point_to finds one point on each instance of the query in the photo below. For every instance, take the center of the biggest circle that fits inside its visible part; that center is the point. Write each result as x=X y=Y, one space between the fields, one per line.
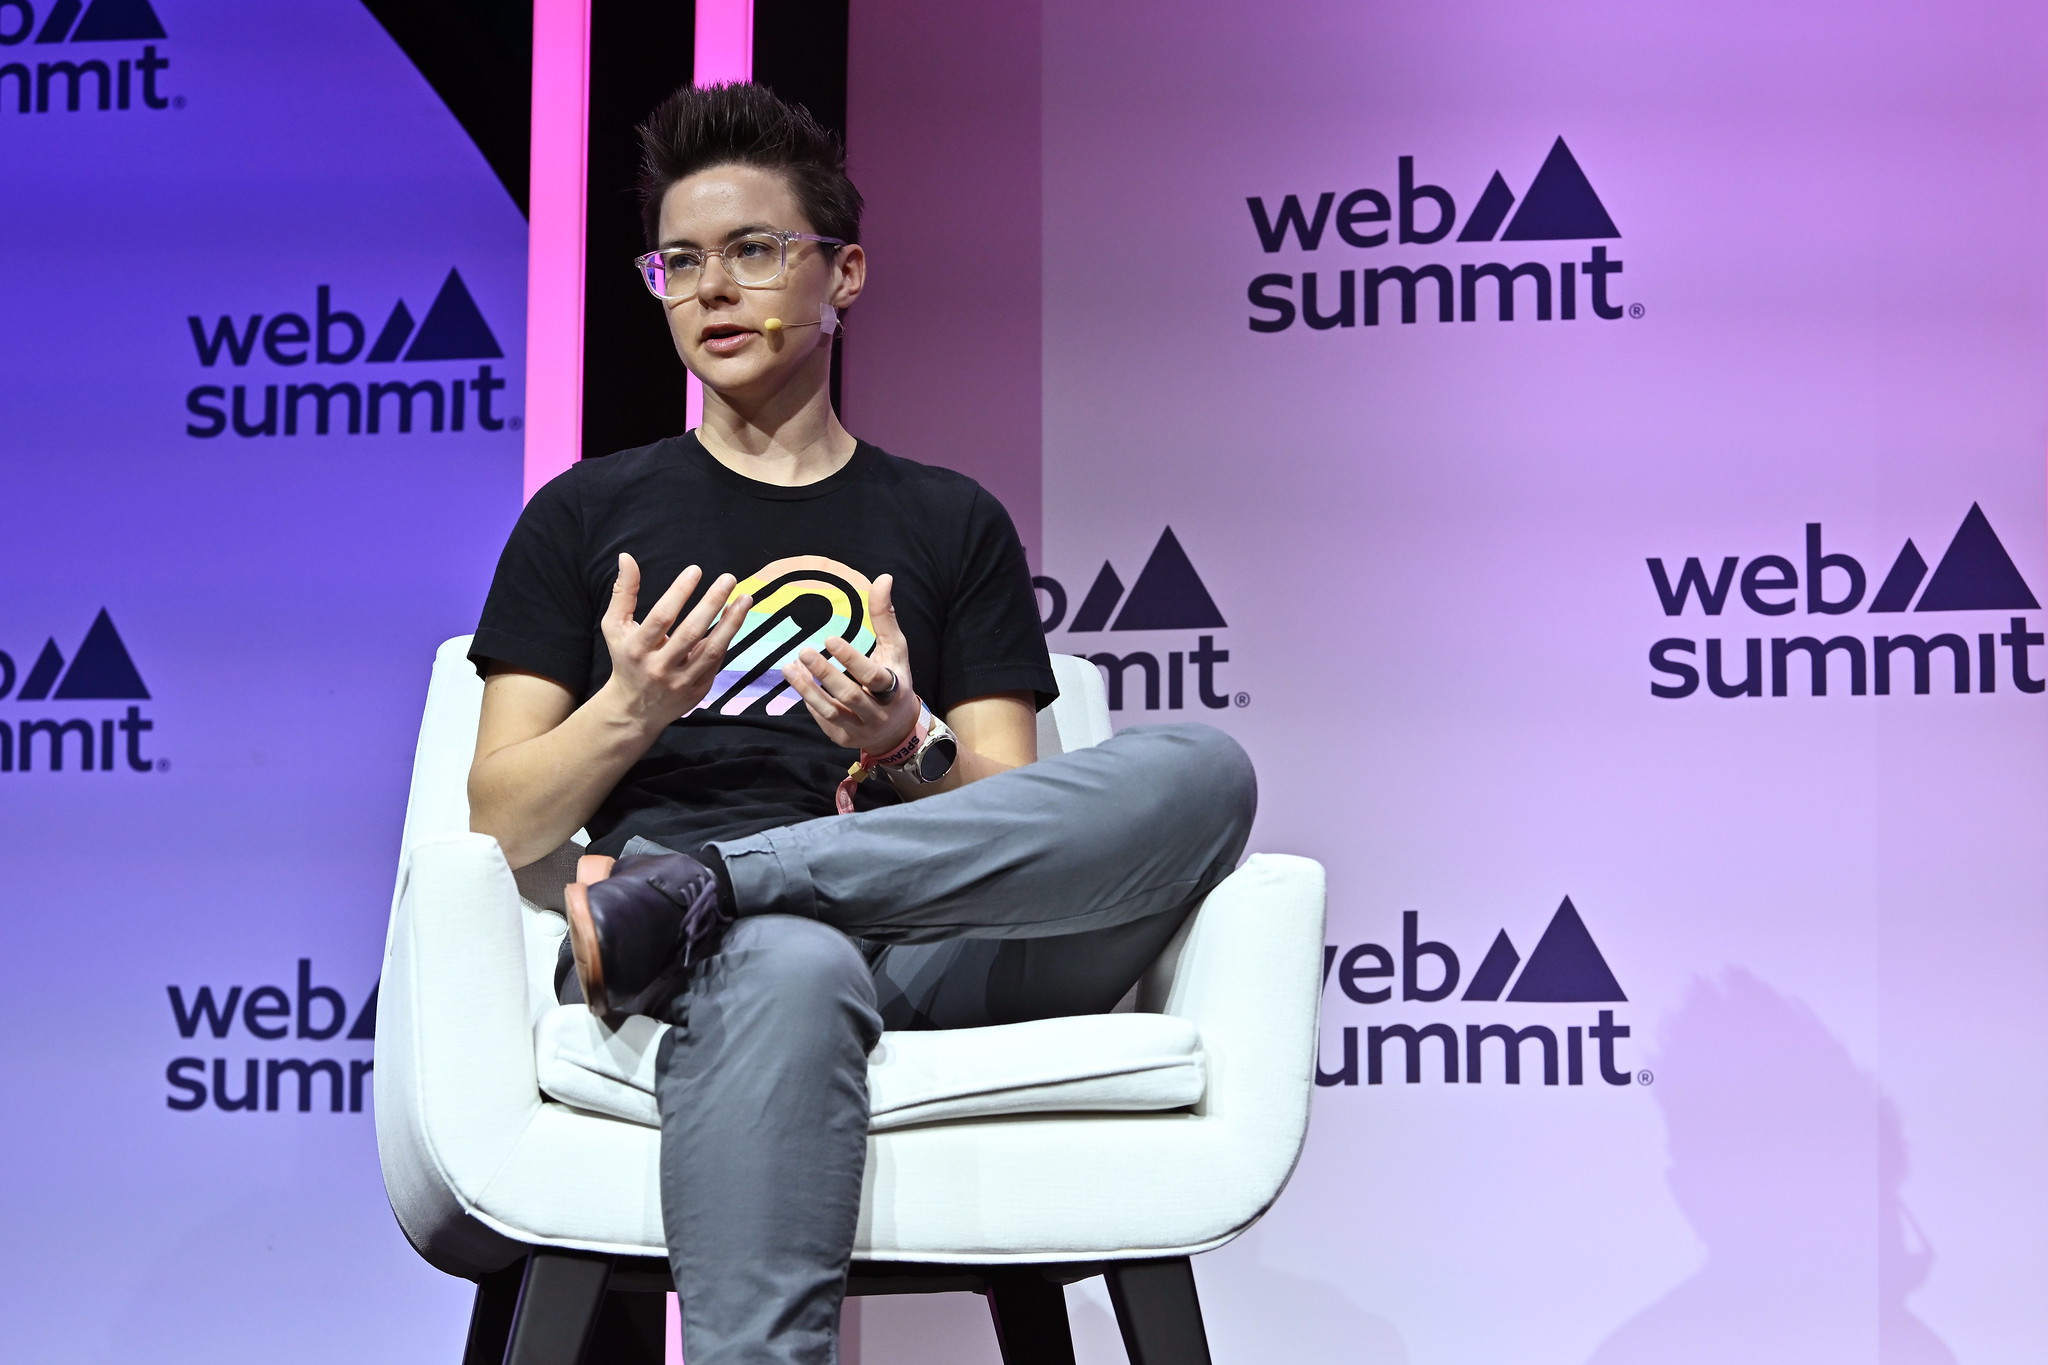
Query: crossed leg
x=1039 y=892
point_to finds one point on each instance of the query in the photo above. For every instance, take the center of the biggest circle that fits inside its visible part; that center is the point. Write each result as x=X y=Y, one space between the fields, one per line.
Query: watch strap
x=868 y=763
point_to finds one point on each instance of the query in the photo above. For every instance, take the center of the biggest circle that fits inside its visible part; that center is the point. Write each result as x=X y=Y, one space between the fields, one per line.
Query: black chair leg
x=559 y=1299
x=1030 y=1314
x=632 y=1329
x=1158 y=1311
x=490 y=1319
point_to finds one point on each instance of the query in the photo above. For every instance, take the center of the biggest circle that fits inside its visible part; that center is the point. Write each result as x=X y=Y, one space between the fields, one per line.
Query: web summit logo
x=115 y=82
x=1559 y=206
x=268 y=1014
x=1975 y=575
x=101 y=671
x=1565 y=968
x=453 y=329
x=1168 y=596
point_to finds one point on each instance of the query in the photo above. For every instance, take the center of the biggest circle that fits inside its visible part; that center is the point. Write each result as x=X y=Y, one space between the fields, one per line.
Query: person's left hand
x=844 y=703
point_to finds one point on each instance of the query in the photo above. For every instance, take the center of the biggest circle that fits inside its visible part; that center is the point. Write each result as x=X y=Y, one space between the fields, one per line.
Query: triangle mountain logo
x=454 y=328
x=1560 y=205
x=102 y=670
x=1976 y=574
x=1494 y=970
x=1490 y=212
x=104 y=21
x=1565 y=968
x=392 y=336
x=1103 y=595
x=1907 y=571
x=1566 y=965
x=366 y=1018
x=42 y=674
x=1169 y=594
x=117 y=21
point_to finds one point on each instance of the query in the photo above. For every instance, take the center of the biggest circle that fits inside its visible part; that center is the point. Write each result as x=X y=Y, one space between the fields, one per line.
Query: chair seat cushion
x=1087 y=1063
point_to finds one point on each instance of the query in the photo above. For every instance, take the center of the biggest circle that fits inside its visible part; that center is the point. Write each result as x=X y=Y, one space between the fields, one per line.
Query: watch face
x=937 y=759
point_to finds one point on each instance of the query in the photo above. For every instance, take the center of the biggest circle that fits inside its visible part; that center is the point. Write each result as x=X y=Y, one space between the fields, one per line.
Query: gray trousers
x=1040 y=892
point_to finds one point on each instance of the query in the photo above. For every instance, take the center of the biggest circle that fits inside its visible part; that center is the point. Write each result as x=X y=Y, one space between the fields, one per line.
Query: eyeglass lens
x=751 y=261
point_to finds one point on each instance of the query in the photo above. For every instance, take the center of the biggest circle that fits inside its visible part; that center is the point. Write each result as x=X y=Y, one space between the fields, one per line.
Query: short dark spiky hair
x=746 y=125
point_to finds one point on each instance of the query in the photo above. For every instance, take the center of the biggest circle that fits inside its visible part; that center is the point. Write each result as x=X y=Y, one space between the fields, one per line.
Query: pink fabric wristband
x=866 y=765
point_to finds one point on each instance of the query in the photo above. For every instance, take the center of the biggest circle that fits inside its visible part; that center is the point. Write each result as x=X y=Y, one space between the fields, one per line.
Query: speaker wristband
x=866 y=766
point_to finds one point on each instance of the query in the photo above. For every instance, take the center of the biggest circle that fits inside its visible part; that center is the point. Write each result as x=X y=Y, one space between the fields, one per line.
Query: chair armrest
x=1247 y=970
x=455 y=1083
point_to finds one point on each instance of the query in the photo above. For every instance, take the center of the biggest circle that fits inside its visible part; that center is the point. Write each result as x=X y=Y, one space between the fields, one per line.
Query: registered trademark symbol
x=514 y=423
x=1242 y=699
x=1635 y=310
x=163 y=765
x=177 y=101
x=1644 y=1077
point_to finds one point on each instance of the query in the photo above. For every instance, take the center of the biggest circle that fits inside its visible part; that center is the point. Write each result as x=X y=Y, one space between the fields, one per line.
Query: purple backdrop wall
x=942 y=359
x=1429 y=550
x=1432 y=542
x=1802 y=249
x=272 y=601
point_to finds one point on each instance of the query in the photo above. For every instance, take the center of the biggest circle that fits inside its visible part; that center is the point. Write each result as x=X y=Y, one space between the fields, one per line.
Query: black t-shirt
x=751 y=757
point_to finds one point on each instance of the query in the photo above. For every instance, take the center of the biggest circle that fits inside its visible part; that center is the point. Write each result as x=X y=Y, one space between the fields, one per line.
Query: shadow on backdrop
x=1255 y=1312
x=1788 y=1163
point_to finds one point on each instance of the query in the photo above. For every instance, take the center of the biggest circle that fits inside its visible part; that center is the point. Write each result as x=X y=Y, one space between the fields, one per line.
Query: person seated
x=742 y=884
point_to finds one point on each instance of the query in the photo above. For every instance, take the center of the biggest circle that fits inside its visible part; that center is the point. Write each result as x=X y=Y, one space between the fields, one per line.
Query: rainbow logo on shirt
x=799 y=604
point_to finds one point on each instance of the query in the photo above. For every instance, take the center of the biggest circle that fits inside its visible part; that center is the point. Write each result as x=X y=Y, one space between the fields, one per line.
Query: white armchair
x=519 y=1144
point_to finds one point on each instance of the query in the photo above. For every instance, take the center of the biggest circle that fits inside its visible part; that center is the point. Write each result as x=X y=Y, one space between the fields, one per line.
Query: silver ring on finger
x=885 y=693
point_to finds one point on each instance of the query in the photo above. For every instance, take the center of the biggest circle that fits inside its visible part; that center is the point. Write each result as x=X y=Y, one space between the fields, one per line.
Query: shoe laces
x=704 y=919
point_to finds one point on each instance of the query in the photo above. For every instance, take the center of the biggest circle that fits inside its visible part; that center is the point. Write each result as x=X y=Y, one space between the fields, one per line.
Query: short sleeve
x=538 y=615
x=992 y=640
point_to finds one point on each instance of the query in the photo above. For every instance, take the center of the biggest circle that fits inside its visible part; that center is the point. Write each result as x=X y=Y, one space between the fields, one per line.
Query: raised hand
x=662 y=667
x=845 y=704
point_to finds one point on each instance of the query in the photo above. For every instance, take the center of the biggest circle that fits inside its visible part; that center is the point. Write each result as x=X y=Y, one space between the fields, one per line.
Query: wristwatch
x=937 y=748
x=925 y=756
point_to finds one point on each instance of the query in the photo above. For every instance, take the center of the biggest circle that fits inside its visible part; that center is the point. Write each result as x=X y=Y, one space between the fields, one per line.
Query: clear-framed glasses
x=754 y=261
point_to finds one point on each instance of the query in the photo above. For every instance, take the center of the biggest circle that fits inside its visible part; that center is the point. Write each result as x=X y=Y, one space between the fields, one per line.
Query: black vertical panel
x=800 y=54
x=478 y=56
x=640 y=51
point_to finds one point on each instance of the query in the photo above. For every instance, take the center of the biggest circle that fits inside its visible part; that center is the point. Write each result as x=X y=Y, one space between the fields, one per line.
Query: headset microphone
x=828 y=318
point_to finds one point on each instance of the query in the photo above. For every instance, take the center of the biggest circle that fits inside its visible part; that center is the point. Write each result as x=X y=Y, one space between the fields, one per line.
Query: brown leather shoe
x=636 y=932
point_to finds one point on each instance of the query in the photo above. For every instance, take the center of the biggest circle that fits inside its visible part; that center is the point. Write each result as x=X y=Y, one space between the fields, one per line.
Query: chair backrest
x=1079 y=719
x=439 y=801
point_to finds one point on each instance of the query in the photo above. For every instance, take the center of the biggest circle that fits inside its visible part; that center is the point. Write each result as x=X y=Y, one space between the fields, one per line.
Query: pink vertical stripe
x=554 y=260
x=725 y=52
x=725 y=41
